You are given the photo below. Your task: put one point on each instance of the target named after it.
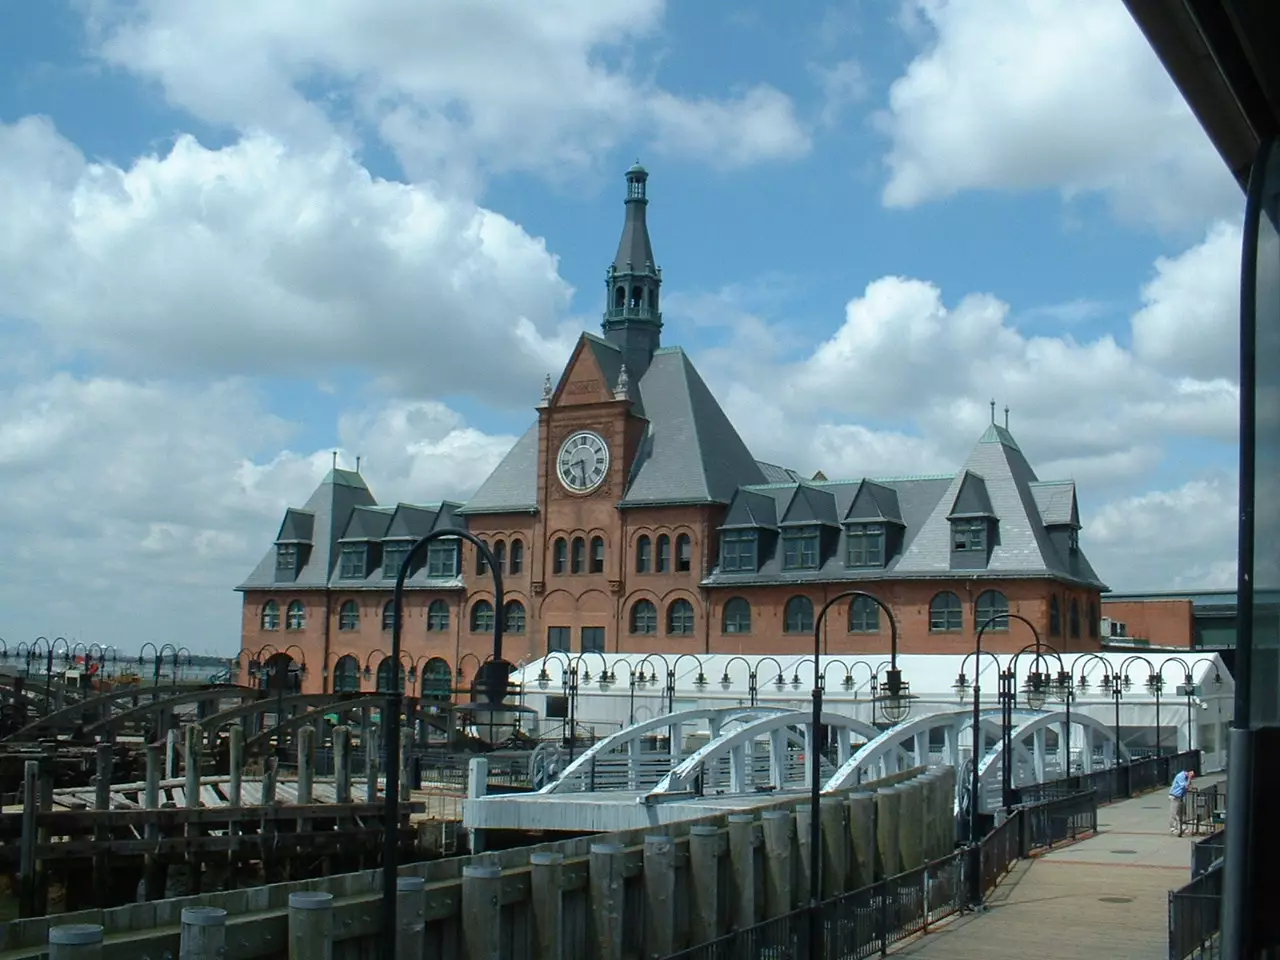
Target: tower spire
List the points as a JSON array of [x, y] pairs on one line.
[[632, 318]]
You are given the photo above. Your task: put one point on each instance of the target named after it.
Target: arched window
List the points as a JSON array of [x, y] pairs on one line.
[[346, 675], [597, 554], [437, 680], [513, 617], [1093, 620], [481, 616], [482, 566], [644, 617], [644, 551], [620, 298], [798, 615], [271, 615], [295, 617], [1073, 616], [438, 616], [663, 562], [991, 603], [864, 615], [637, 296], [500, 554], [684, 553], [384, 675], [579, 561], [349, 616], [1055, 617], [560, 555], [945, 613], [680, 617], [389, 616], [737, 616], [516, 564]]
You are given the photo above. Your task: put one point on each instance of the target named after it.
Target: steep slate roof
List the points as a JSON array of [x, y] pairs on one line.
[[330, 506], [609, 358], [513, 485], [810, 505], [916, 497], [690, 453], [776, 474], [996, 480], [1056, 500], [343, 510]]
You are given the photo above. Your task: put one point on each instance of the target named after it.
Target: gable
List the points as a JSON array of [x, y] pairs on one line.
[[810, 506], [874, 501], [590, 375]]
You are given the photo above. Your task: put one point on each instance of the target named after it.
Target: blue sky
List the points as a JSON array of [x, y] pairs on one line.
[[242, 237]]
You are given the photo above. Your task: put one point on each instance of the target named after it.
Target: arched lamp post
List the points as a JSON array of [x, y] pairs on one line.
[[898, 693], [496, 684]]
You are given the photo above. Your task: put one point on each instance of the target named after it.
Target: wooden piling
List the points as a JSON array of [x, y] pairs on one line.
[[311, 925], [102, 801], [411, 916], [171, 754], [801, 876], [75, 941], [835, 847], [704, 866], [27, 855], [306, 762], [482, 912], [235, 773], [779, 867], [204, 934], [154, 867], [342, 764], [742, 854], [195, 742], [607, 899], [546, 886], [660, 895]]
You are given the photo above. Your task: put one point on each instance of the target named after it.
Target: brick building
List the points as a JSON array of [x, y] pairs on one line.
[[632, 517]]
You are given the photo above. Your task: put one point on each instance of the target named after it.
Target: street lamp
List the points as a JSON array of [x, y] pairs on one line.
[[1036, 689], [570, 678], [700, 681], [498, 679], [1110, 680], [898, 692], [726, 681], [1188, 686], [961, 687]]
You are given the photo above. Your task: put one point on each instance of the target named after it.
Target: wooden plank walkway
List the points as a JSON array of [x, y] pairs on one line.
[[1106, 896]]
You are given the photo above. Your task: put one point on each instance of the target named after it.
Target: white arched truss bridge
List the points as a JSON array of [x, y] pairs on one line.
[[746, 750]]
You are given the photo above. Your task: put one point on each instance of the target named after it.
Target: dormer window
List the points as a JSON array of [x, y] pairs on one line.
[[969, 536], [738, 551], [865, 545], [287, 558], [393, 557], [800, 548], [1073, 539], [355, 561], [442, 558]]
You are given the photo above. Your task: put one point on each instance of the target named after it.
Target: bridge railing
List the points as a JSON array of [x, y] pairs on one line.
[[1194, 917], [868, 921], [1119, 782]]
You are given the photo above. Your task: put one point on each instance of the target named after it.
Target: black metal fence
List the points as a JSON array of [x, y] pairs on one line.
[[1205, 853], [1120, 782], [1194, 917], [868, 921]]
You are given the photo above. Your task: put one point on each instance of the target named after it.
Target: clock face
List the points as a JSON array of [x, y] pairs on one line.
[[583, 461]]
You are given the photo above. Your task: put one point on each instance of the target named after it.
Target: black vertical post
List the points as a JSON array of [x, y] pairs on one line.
[[496, 686]]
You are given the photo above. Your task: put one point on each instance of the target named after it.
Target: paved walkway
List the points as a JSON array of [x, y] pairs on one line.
[[1106, 896]]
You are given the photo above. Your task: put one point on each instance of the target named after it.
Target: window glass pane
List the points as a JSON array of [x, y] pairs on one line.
[[557, 638], [592, 639]]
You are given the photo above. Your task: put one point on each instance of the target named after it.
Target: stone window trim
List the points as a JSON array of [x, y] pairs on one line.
[[864, 615], [681, 618], [349, 616], [437, 616], [643, 617], [270, 616], [798, 615], [946, 613], [481, 617], [991, 603], [735, 617]]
